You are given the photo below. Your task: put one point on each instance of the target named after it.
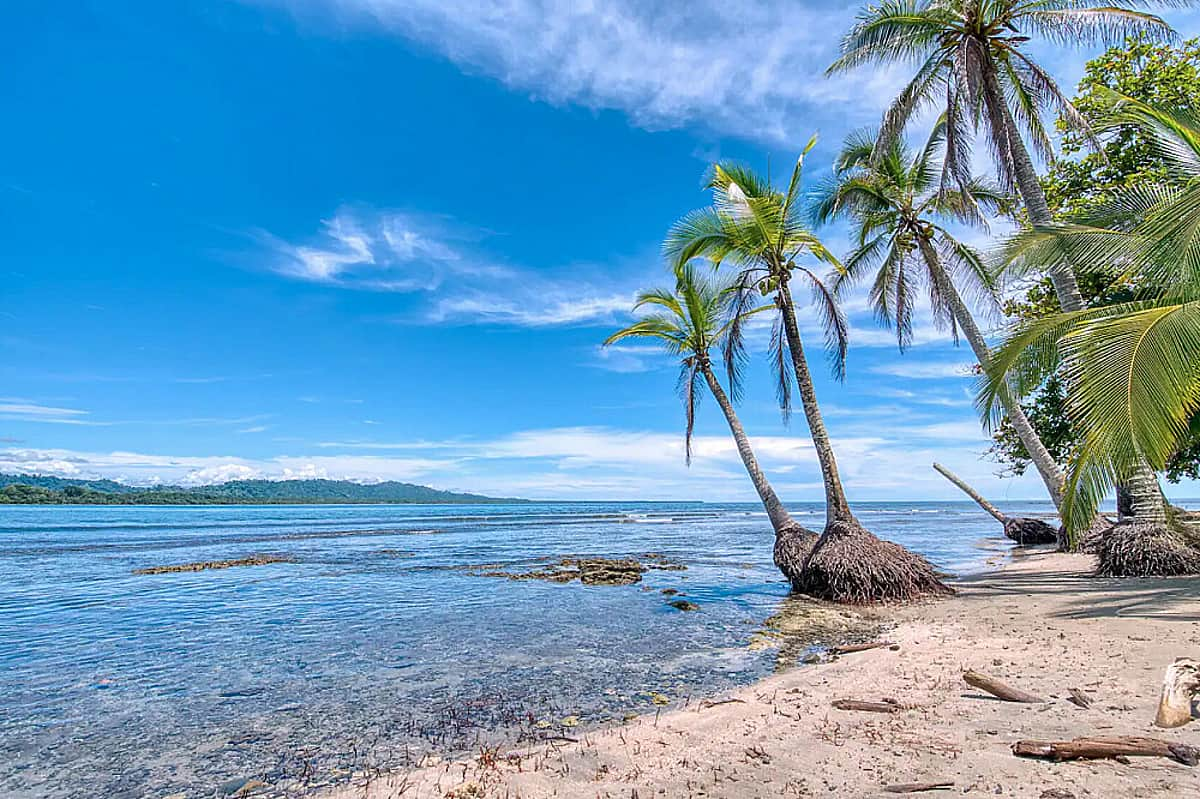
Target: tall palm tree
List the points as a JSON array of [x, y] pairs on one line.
[[1133, 367], [971, 57], [898, 209], [689, 323], [761, 231]]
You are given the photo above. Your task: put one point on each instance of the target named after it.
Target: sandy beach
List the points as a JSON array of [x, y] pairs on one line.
[[1038, 623]]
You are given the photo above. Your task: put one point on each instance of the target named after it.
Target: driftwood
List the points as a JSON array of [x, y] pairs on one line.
[[851, 648], [1078, 697], [998, 689], [1099, 748], [867, 707], [1021, 530], [918, 787], [1181, 686]]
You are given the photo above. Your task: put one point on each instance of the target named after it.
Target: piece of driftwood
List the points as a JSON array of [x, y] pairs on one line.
[[852, 648], [1181, 685], [998, 689], [867, 707], [1112, 748], [707, 703], [918, 787], [1078, 697]]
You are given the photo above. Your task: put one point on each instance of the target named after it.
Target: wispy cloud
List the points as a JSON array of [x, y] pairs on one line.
[[749, 69], [924, 370], [445, 264], [22, 410]]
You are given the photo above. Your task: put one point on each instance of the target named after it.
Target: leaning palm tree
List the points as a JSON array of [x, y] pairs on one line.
[[762, 233], [971, 57], [898, 210], [689, 323], [1133, 367]]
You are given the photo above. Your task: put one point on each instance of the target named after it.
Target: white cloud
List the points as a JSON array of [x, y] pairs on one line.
[[749, 69], [26, 411], [442, 263]]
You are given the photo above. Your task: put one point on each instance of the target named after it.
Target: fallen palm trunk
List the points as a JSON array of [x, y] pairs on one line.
[[1102, 748], [998, 689], [1019, 529], [1181, 685]]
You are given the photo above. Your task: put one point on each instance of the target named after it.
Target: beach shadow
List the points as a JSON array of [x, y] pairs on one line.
[[1086, 597]]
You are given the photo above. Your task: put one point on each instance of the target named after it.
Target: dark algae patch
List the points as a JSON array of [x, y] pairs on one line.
[[590, 570], [253, 560]]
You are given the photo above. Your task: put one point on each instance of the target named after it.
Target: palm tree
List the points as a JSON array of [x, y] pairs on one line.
[[689, 322], [761, 231], [1133, 366], [971, 58], [898, 208]]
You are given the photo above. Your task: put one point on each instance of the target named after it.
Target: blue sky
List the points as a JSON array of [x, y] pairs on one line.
[[382, 240]]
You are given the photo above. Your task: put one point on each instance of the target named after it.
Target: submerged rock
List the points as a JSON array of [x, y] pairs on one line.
[[589, 570], [253, 560], [683, 604], [803, 627]]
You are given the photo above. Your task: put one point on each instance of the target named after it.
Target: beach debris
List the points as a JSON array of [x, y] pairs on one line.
[[1110, 748], [886, 706], [253, 560], [659, 699], [707, 703], [918, 787], [1079, 698], [683, 604], [999, 689], [1056, 793], [570, 721], [757, 753], [849, 649], [1181, 687], [1022, 530]]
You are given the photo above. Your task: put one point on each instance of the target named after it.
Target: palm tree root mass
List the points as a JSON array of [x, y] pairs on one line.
[[1147, 549], [793, 545], [1025, 531], [849, 564]]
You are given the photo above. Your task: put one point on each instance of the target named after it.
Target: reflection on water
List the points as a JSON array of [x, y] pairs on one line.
[[374, 645]]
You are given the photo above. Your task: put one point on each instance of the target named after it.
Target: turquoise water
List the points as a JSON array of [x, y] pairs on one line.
[[375, 646]]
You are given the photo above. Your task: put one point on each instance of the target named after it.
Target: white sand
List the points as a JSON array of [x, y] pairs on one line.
[[1039, 624]]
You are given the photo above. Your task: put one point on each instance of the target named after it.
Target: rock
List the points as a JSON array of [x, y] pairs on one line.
[[239, 786], [570, 721], [684, 605], [659, 699], [253, 560], [669, 592]]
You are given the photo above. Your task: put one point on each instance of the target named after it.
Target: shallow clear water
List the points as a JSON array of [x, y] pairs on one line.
[[374, 646]]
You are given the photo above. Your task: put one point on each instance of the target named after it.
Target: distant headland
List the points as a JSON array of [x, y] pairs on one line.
[[28, 489]]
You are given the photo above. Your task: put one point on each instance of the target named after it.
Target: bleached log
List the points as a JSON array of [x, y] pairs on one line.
[[1181, 685]]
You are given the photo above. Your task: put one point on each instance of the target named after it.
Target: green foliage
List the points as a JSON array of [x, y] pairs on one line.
[[1132, 366], [898, 207], [37, 490], [1086, 180]]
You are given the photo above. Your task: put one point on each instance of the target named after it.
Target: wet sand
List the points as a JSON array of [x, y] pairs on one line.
[[1038, 623]]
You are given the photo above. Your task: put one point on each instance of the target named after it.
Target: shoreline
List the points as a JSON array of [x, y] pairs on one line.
[[1037, 622]]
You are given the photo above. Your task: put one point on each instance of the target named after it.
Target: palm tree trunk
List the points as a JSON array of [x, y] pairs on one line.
[[1041, 457], [1000, 119], [1066, 287], [780, 518], [837, 508]]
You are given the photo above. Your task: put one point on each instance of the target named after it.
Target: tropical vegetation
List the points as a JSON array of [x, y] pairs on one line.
[[1096, 382]]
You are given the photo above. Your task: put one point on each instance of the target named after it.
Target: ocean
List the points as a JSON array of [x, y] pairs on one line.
[[380, 642]]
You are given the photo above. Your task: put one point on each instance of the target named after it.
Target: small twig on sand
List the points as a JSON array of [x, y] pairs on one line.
[[918, 787], [867, 707], [998, 689], [1078, 697], [851, 648], [707, 703]]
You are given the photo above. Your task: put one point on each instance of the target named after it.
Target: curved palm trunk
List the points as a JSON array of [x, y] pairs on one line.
[[848, 563], [1066, 287], [1041, 457], [793, 543], [778, 514], [837, 508]]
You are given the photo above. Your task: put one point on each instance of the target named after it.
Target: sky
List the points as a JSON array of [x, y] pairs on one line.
[[384, 239]]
